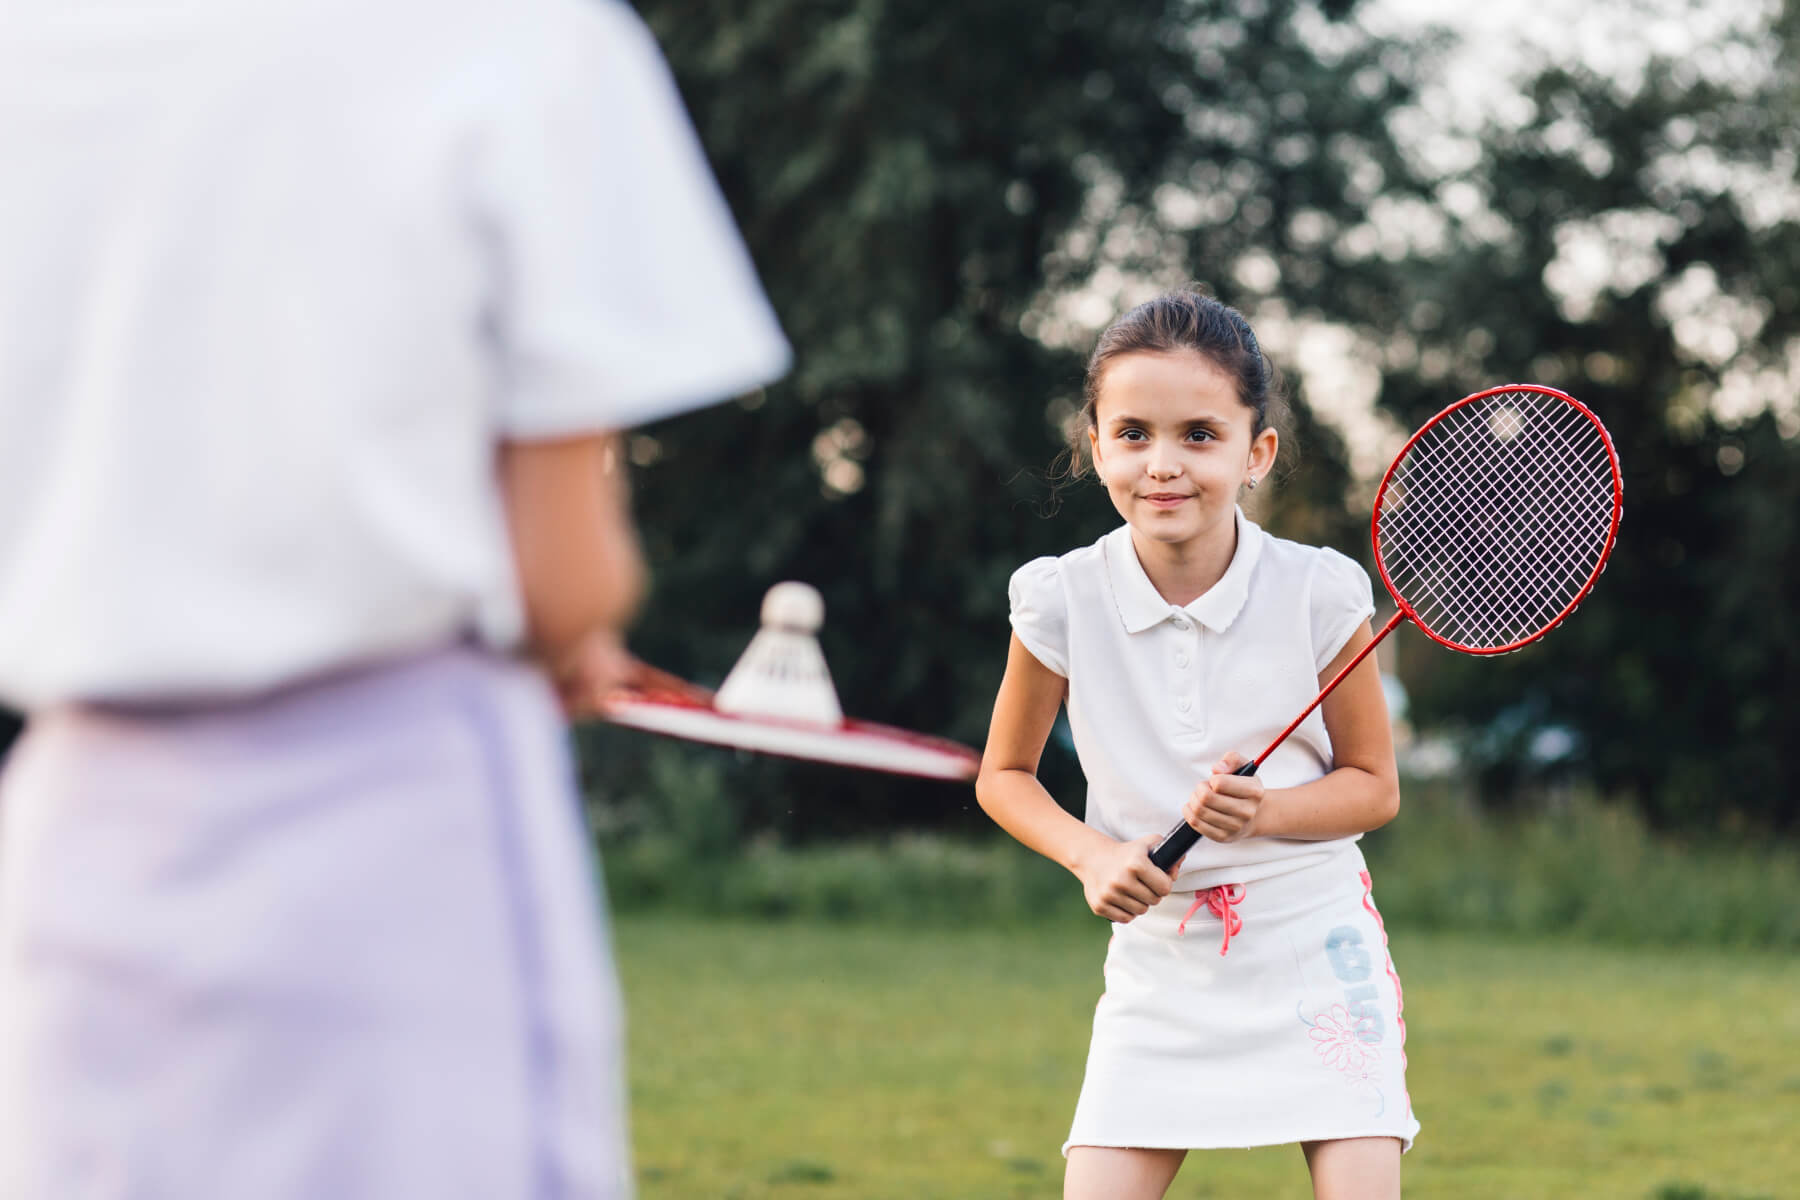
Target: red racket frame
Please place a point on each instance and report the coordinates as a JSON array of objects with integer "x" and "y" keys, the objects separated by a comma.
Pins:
[
  {"x": 1183, "y": 836},
  {"x": 1406, "y": 610}
]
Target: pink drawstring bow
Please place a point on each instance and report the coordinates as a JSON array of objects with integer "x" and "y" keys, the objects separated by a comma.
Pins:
[{"x": 1219, "y": 901}]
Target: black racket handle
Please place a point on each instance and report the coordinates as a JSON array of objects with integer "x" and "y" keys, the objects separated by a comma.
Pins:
[{"x": 1183, "y": 836}]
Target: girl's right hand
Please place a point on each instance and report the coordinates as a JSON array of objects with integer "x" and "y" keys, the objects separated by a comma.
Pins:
[{"x": 1120, "y": 882}]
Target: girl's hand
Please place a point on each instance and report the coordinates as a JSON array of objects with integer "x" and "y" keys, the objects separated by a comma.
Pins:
[
  {"x": 1224, "y": 806},
  {"x": 1120, "y": 882}
]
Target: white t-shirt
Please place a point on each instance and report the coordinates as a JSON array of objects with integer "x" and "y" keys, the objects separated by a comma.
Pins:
[
  {"x": 1158, "y": 693},
  {"x": 275, "y": 277}
]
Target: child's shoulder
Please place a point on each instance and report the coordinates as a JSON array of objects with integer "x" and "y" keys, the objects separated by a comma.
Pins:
[
  {"x": 1076, "y": 580},
  {"x": 1315, "y": 567},
  {"x": 1302, "y": 555},
  {"x": 1048, "y": 594},
  {"x": 1070, "y": 567},
  {"x": 1329, "y": 592}
]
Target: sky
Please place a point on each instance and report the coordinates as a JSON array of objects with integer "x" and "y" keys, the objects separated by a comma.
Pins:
[{"x": 1611, "y": 34}]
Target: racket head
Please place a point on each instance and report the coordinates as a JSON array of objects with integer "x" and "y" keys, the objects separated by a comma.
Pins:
[
  {"x": 1497, "y": 517},
  {"x": 678, "y": 709}
]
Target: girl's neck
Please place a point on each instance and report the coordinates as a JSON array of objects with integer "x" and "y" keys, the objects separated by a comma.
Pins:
[{"x": 1183, "y": 572}]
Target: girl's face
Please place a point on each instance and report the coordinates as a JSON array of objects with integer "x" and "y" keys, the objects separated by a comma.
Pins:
[{"x": 1173, "y": 444}]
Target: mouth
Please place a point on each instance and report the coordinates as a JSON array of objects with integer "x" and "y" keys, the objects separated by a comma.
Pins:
[{"x": 1167, "y": 499}]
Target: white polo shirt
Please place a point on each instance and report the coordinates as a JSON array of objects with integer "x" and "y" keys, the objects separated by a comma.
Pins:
[
  {"x": 1158, "y": 692},
  {"x": 275, "y": 277}
]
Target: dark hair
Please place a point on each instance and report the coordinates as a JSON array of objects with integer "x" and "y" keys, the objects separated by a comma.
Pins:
[{"x": 1183, "y": 320}]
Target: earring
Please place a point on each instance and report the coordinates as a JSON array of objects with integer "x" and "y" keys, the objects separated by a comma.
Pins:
[{"x": 1250, "y": 483}]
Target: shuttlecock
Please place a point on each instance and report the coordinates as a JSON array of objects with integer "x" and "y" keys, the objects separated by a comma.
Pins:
[{"x": 782, "y": 672}]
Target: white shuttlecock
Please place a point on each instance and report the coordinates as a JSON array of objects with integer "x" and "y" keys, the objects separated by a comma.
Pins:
[{"x": 782, "y": 672}]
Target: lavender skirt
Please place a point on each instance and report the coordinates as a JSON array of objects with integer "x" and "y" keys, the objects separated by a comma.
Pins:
[{"x": 343, "y": 941}]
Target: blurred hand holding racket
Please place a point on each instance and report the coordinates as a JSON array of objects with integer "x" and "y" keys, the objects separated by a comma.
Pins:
[
  {"x": 778, "y": 700},
  {"x": 1490, "y": 527}
]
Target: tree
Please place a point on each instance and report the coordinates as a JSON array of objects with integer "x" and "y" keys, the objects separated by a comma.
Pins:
[
  {"x": 933, "y": 192},
  {"x": 1634, "y": 240}
]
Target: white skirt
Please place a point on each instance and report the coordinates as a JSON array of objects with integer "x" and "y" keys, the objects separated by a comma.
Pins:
[
  {"x": 1294, "y": 1034},
  {"x": 343, "y": 941}
]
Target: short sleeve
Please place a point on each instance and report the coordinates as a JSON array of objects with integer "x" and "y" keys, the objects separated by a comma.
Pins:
[
  {"x": 624, "y": 292},
  {"x": 1342, "y": 599},
  {"x": 1040, "y": 612}
]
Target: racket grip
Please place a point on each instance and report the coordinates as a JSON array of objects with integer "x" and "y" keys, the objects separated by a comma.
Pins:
[{"x": 1182, "y": 838}]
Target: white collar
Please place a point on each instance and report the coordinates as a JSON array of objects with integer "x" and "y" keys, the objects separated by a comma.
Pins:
[{"x": 1141, "y": 606}]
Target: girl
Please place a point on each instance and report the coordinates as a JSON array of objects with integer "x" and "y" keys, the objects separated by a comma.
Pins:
[
  {"x": 1249, "y": 996},
  {"x": 318, "y": 322}
]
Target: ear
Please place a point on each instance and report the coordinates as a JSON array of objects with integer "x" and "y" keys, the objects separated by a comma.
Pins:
[
  {"x": 1093, "y": 436},
  {"x": 1263, "y": 448}
]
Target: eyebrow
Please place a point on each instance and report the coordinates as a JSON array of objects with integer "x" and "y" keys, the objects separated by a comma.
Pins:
[{"x": 1208, "y": 422}]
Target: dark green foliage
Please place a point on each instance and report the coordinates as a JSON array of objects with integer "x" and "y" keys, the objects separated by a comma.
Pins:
[
  {"x": 1580, "y": 872},
  {"x": 920, "y": 183},
  {"x": 911, "y": 177},
  {"x": 1677, "y": 673}
]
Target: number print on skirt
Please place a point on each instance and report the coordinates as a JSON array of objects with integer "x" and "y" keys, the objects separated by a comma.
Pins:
[{"x": 1348, "y": 1036}]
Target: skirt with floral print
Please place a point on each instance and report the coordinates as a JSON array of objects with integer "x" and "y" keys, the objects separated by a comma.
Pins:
[{"x": 1294, "y": 1034}]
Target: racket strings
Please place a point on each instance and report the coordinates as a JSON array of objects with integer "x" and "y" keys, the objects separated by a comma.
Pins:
[
  {"x": 1498, "y": 517},
  {"x": 1513, "y": 552},
  {"x": 1533, "y": 536},
  {"x": 1509, "y": 575}
]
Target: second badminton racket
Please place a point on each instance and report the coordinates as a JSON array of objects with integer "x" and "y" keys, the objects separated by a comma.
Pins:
[{"x": 1490, "y": 527}]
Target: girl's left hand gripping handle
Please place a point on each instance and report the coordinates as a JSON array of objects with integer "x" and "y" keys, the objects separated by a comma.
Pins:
[{"x": 1183, "y": 836}]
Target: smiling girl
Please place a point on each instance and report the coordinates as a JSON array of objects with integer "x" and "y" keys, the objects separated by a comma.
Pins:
[{"x": 1179, "y": 638}]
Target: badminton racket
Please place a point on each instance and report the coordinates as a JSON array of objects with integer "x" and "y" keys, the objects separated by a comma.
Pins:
[
  {"x": 779, "y": 700},
  {"x": 657, "y": 702},
  {"x": 1490, "y": 527}
]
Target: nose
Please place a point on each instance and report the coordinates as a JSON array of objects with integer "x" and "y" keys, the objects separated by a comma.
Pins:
[{"x": 1163, "y": 464}]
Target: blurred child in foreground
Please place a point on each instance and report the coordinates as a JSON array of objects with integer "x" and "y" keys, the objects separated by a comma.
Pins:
[{"x": 317, "y": 322}]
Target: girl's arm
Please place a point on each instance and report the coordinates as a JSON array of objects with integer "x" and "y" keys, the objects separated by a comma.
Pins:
[
  {"x": 580, "y": 572},
  {"x": 1118, "y": 878},
  {"x": 1361, "y": 792}
]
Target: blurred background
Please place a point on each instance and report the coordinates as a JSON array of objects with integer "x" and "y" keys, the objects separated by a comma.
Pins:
[
  {"x": 948, "y": 202},
  {"x": 1593, "y": 888}
]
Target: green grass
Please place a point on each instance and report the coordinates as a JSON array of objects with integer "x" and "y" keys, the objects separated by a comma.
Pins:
[{"x": 869, "y": 1061}]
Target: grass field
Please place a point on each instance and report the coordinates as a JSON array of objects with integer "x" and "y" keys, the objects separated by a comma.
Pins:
[{"x": 865, "y": 1062}]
